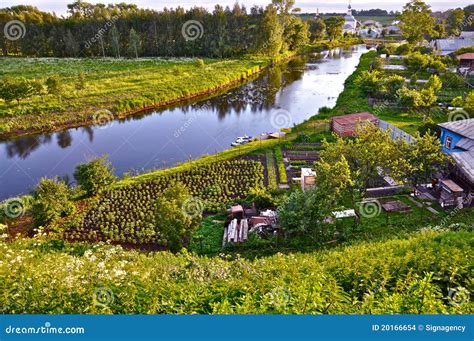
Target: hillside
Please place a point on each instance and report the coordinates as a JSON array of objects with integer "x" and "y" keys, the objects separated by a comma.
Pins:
[{"x": 425, "y": 273}]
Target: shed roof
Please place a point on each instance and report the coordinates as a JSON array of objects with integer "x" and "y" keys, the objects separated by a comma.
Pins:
[
  {"x": 451, "y": 45},
  {"x": 237, "y": 209},
  {"x": 466, "y": 56},
  {"x": 462, "y": 127},
  {"x": 465, "y": 162},
  {"x": 466, "y": 144},
  {"x": 451, "y": 185},
  {"x": 354, "y": 118}
]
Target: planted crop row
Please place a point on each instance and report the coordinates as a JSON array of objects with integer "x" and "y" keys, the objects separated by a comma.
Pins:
[
  {"x": 281, "y": 165},
  {"x": 127, "y": 214},
  {"x": 272, "y": 179}
]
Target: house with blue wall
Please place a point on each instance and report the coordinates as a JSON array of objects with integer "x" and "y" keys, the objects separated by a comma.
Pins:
[{"x": 457, "y": 139}]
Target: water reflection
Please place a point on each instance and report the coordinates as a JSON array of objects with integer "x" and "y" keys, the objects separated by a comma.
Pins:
[{"x": 150, "y": 140}]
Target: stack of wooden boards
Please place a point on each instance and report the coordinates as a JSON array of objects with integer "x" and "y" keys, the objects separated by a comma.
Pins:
[{"x": 236, "y": 232}]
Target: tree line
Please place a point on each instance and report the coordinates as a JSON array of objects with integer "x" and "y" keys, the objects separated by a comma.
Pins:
[{"x": 124, "y": 30}]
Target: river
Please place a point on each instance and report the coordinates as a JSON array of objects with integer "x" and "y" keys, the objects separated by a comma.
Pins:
[{"x": 281, "y": 96}]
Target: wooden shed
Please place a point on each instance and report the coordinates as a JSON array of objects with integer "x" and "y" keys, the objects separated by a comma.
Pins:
[
  {"x": 346, "y": 125},
  {"x": 451, "y": 194},
  {"x": 466, "y": 60}
]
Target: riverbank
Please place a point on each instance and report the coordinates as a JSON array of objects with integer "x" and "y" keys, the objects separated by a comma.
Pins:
[
  {"x": 98, "y": 91},
  {"x": 95, "y": 91}
]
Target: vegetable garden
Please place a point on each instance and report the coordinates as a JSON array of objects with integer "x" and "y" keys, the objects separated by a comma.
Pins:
[{"x": 126, "y": 214}]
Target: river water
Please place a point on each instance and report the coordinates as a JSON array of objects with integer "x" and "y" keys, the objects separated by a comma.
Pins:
[{"x": 280, "y": 97}]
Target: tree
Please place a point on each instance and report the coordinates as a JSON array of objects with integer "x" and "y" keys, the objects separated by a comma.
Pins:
[
  {"x": 272, "y": 32},
  {"x": 133, "y": 43},
  {"x": 115, "y": 39},
  {"x": 95, "y": 176},
  {"x": 469, "y": 103},
  {"x": 423, "y": 158},
  {"x": 454, "y": 22},
  {"x": 72, "y": 48},
  {"x": 54, "y": 85},
  {"x": 317, "y": 29},
  {"x": 416, "y": 61},
  {"x": 369, "y": 82},
  {"x": 50, "y": 201},
  {"x": 434, "y": 83},
  {"x": 334, "y": 27},
  {"x": 174, "y": 223},
  {"x": 392, "y": 84},
  {"x": 416, "y": 21},
  {"x": 306, "y": 213},
  {"x": 370, "y": 154}
]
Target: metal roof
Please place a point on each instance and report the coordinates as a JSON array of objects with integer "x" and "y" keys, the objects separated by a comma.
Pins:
[
  {"x": 466, "y": 144},
  {"x": 451, "y": 45},
  {"x": 465, "y": 162},
  {"x": 462, "y": 127},
  {"x": 355, "y": 118}
]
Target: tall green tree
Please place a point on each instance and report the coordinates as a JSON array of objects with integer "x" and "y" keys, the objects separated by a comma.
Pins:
[
  {"x": 133, "y": 43},
  {"x": 271, "y": 32},
  {"x": 416, "y": 21},
  {"x": 334, "y": 27},
  {"x": 455, "y": 21}
]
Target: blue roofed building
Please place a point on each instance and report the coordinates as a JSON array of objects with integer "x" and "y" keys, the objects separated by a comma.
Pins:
[{"x": 457, "y": 139}]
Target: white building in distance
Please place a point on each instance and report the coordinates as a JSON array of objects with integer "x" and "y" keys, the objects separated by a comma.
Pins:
[{"x": 350, "y": 24}]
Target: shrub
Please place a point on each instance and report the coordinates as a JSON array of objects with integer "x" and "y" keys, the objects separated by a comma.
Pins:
[
  {"x": 50, "y": 201},
  {"x": 177, "y": 215},
  {"x": 200, "y": 62},
  {"x": 94, "y": 177}
]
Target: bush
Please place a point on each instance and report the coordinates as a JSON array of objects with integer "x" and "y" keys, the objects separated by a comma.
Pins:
[
  {"x": 200, "y": 63},
  {"x": 94, "y": 177},
  {"x": 177, "y": 216},
  {"x": 50, "y": 201}
]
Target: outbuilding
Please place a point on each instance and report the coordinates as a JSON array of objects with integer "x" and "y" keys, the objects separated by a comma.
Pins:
[{"x": 346, "y": 125}]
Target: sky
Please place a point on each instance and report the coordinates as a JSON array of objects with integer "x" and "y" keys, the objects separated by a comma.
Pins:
[{"x": 59, "y": 6}]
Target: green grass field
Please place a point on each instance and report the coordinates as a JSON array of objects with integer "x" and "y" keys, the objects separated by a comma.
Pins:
[{"x": 120, "y": 86}]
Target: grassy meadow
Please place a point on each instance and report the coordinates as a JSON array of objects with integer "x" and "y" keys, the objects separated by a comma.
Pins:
[{"x": 121, "y": 86}]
